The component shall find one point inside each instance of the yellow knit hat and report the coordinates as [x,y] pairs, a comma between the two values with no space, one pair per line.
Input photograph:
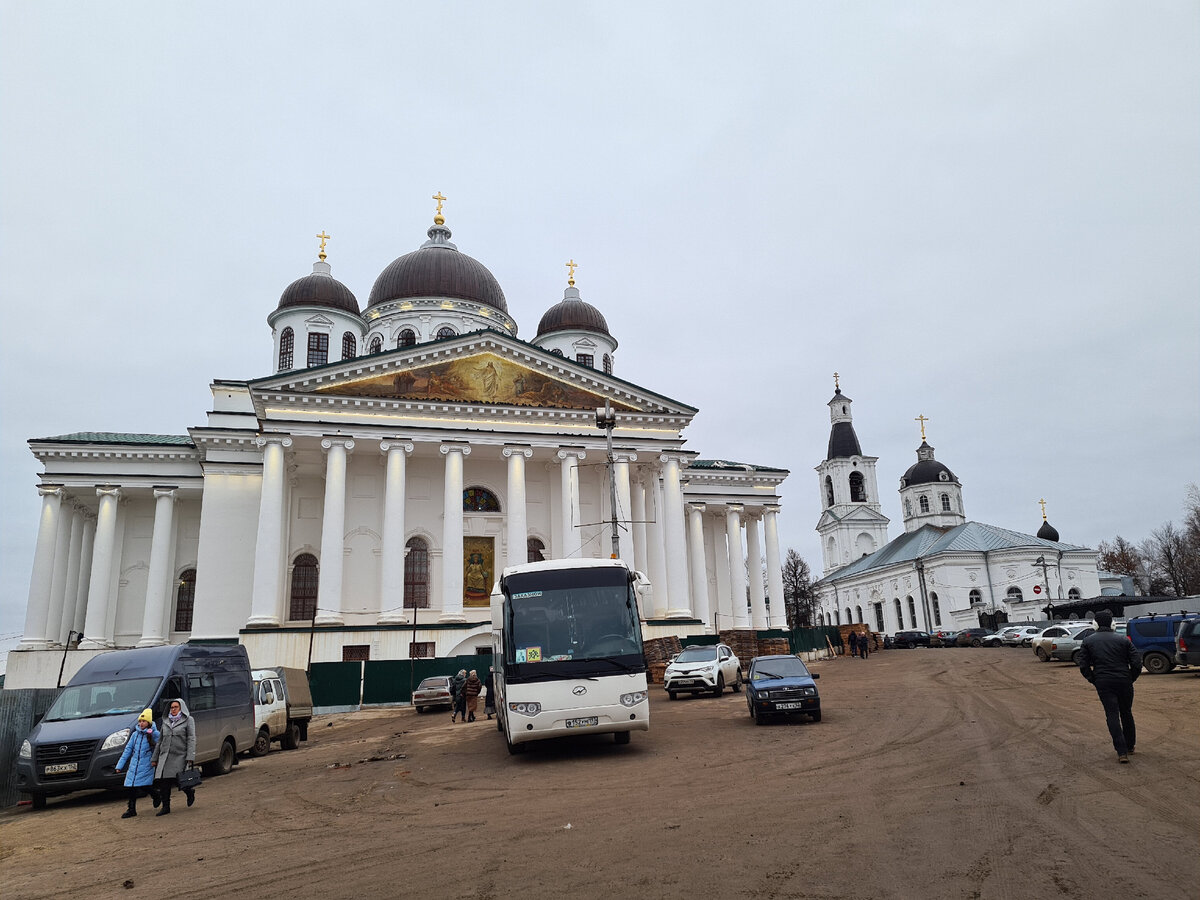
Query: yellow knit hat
[146,716]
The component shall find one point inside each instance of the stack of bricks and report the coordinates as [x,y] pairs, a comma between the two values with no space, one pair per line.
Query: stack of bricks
[844,630]
[773,647]
[743,643]
[659,652]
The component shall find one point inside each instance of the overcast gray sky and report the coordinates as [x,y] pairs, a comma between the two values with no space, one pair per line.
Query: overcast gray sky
[988,214]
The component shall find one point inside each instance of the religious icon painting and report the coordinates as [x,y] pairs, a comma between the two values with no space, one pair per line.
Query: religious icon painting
[479,570]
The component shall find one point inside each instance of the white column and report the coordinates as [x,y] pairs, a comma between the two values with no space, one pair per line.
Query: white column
[66,622]
[517,536]
[452,533]
[268,547]
[86,546]
[638,502]
[774,567]
[391,569]
[95,624]
[754,568]
[656,549]
[58,580]
[737,565]
[333,532]
[675,540]
[699,572]
[621,463]
[572,536]
[37,609]
[155,615]
[724,605]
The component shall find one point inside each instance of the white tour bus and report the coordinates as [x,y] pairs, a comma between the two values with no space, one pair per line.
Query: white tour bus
[567,643]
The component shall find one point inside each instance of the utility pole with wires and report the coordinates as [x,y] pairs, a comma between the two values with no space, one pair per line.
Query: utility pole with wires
[606,420]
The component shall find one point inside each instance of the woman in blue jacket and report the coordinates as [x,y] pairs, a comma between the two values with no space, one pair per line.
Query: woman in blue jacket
[139,750]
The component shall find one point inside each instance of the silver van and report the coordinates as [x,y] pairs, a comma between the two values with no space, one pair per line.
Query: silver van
[78,742]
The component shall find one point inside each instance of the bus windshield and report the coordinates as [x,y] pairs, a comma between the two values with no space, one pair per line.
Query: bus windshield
[571,616]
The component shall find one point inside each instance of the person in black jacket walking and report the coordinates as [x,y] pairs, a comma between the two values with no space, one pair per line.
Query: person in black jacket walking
[1110,662]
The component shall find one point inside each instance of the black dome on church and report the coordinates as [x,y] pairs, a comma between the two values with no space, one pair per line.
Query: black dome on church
[927,470]
[438,269]
[572,314]
[1048,532]
[843,442]
[318,290]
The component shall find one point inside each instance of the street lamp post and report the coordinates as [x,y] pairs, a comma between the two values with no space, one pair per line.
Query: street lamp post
[606,419]
[1041,561]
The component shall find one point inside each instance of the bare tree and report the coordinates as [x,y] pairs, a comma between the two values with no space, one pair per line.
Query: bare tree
[1173,558]
[797,591]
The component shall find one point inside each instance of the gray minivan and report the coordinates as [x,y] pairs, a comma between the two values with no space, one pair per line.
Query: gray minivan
[78,742]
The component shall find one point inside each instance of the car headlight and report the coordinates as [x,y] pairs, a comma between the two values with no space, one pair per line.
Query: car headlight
[26,750]
[525,709]
[116,739]
[633,699]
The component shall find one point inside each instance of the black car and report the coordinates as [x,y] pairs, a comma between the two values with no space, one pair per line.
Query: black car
[911,639]
[781,685]
[971,637]
[1187,643]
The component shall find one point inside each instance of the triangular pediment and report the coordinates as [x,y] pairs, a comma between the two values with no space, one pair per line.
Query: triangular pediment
[318,319]
[484,368]
[857,515]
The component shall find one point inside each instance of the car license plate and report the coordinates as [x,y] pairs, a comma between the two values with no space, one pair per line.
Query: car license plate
[62,768]
[584,722]
[794,705]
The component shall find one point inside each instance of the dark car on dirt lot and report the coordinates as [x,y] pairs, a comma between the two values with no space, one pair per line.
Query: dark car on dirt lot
[971,637]
[942,638]
[1154,635]
[1187,643]
[911,639]
[780,686]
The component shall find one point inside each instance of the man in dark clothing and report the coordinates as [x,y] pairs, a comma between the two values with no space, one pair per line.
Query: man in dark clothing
[1111,662]
[852,640]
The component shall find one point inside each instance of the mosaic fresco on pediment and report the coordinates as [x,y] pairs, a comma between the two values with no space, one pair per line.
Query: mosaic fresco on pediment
[485,378]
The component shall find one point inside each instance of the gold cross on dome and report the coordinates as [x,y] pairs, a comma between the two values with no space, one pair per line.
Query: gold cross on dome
[439,219]
[836,386]
[572,266]
[324,237]
[1043,502]
[922,420]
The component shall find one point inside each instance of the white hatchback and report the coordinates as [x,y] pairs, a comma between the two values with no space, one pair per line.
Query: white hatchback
[703,669]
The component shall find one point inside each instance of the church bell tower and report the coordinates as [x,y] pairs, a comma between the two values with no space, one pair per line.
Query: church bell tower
[852,524]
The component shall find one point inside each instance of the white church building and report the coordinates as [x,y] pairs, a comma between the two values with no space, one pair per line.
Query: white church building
[944,571]
[360,499]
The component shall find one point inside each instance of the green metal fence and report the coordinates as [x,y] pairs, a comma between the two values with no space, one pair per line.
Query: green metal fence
[384,680]
[805,639]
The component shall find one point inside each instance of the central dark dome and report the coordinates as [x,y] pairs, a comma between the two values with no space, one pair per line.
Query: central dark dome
[438,269]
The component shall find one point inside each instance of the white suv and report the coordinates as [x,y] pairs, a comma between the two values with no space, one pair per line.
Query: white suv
[698,669]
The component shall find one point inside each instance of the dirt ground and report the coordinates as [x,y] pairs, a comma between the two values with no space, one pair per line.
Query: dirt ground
[935,773]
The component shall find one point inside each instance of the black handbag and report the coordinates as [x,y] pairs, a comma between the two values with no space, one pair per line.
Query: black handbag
[188,779]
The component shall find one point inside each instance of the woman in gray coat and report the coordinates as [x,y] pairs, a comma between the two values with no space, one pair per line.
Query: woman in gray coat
[176,748]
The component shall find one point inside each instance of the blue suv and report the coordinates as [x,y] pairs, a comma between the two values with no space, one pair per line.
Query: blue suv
[1154,636]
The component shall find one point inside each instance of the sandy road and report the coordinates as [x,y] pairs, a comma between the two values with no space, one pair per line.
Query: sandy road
[935,773]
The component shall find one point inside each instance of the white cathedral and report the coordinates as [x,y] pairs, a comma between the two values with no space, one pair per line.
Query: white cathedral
[366,494]
[944,571]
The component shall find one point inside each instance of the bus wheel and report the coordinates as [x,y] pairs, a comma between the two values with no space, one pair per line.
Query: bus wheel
[621,737]
[514,749]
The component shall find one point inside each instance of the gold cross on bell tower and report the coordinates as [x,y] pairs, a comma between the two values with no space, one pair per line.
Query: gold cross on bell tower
[571,266]
[1043,503]
[922,420]
[439,219]
[836,386]
[324,237]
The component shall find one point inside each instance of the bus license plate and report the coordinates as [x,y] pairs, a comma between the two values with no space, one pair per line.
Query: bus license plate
[584,722]
[62,768]
[795,705]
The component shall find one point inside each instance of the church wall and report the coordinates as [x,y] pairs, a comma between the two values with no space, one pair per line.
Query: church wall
[138,513]
[225,554]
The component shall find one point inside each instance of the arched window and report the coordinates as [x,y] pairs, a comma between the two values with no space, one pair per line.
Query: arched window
[975,598]
[376,344]
[828,491]
[1014,594]
[318,349]
[858,614]
[607,364]
[937,612]
[446,332]
[1073,594]
[945,503]
[185,599]
[304,588]
[477,499]
[287,345]
[858,493]
[912,612]
[557,352]
[535,550]
[899,614]
[849,620]
[349,346]
[924,501]
[407,338]
[416,574]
